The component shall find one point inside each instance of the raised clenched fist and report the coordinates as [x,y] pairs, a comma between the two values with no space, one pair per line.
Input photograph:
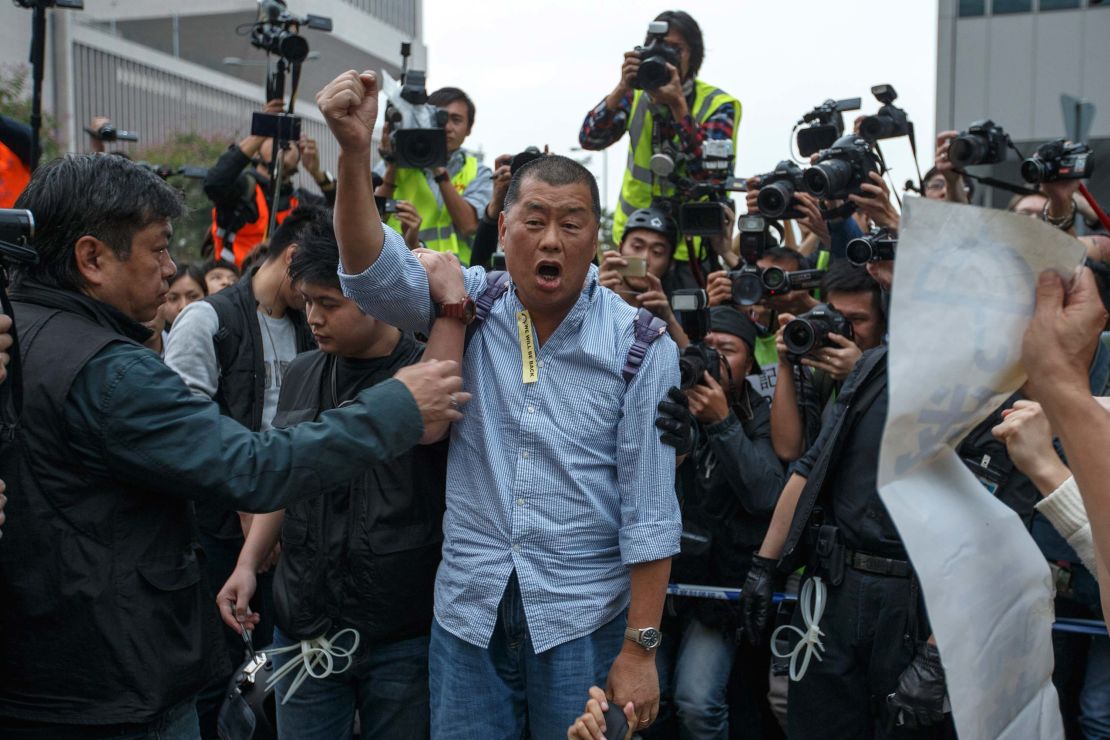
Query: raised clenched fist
[350,106]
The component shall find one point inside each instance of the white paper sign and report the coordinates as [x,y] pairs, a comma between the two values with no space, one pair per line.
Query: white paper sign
[964,290]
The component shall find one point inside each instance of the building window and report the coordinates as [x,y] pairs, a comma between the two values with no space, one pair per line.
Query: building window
[1004,7]
[1058,4]
[972,8]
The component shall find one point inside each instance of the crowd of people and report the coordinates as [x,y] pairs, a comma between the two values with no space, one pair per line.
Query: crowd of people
[421,461]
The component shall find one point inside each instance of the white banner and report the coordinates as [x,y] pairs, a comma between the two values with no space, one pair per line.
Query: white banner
[964,290]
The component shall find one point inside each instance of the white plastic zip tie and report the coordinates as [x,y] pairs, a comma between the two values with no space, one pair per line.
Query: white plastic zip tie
[812,601]
[318,659]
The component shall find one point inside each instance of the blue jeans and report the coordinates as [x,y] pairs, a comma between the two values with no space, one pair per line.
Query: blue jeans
[1094,700]
[701,681]
[387,685]
[507,689]
[178,723]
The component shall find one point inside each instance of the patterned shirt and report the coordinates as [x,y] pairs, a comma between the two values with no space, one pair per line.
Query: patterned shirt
[564,479]
[603,128]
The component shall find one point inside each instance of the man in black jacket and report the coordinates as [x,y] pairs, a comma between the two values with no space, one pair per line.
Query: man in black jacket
[364,560]
[107,628]
[728,486]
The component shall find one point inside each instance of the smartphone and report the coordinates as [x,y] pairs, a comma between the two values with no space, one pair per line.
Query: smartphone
[636,267]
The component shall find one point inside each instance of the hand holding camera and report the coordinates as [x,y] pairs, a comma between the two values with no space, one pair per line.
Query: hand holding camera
[708,402]
[350,107]
[874,202]
[719,288]
[654,299]
[502,176]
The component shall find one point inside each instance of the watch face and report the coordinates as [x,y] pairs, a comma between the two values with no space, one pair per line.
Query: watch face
[650,638]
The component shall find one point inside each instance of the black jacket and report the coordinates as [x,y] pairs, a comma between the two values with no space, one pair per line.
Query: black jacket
[241,393]
[364,556]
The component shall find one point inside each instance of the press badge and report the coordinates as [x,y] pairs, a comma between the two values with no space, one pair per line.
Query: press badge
[529,372]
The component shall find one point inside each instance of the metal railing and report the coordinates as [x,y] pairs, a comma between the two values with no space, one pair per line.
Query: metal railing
[400,14]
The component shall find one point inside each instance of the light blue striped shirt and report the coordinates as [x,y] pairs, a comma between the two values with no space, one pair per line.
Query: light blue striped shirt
[563,480]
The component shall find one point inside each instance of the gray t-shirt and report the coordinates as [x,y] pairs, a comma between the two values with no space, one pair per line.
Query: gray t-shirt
[191,352]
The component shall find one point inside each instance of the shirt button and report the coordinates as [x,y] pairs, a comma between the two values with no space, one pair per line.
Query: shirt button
[540,363]
[516,548]
[520,502]
[524,454]
[531,409]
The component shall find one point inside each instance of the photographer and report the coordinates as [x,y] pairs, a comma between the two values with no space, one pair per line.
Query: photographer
[242,197]
[109,596]
[648,241]
[684,113]
[449,199]
[799,406]
[15,159]
[943,182]
[728,486]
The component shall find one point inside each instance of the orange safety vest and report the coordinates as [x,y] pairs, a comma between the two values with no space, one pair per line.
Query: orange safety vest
[250,235]
[14,176]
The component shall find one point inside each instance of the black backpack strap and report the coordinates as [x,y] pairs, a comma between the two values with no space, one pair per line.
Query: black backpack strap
[497,282]
[646,328]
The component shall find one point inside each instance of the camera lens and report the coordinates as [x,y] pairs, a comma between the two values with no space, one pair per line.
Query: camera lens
[876,127]
[799,336]
[653,73]
[291,47]
[828,179]
[690,371]
[967,150]
[859,251]
[1034,170]
[774,199]
[747,289]
[774,278]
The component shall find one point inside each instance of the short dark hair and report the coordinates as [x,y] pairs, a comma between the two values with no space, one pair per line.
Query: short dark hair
[109,198]
[444,96]
[316,260]
[844,277]
[193,272]
[968,183]
[554,169]
[683,22]
[211,264]
[785,253]
[297,223]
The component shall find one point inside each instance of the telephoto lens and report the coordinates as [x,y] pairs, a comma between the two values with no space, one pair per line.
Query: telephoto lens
[774,199]
[811,330]
[827,178]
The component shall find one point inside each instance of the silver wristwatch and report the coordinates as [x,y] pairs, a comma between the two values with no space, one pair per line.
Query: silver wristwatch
[647,638]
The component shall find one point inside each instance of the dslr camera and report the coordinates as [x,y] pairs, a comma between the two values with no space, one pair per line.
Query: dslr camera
[691,307]
[810,331]
[826,125]
[874,247]
[841,169]
[776,191]
[751,283]
[416,128]
[654,58]
[17,229]
[108,132]
[890,122]
[984,142]
[1058,160]
[278,31]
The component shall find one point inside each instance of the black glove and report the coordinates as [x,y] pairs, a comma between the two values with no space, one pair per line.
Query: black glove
[918,700]
[676,422]
[757,599]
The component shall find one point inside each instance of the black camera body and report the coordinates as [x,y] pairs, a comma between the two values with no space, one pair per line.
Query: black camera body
[654,58]
[841,169]
[691,307]
[751,283]
[17,230]
[826,125]
[108,132]
[755,237]
[1059,160]
[777,189]
[419,140]
[889,122]
[277,31]
[519,160]
[276,126]
[984,142]
[877,246]
[809,332]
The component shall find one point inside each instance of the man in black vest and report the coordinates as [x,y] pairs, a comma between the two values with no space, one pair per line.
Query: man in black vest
[362,560]
[107,629]
[234,348]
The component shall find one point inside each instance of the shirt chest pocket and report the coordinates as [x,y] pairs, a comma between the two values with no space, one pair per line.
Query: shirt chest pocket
[590,416]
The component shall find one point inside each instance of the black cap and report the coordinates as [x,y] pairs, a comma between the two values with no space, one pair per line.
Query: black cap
[728,320]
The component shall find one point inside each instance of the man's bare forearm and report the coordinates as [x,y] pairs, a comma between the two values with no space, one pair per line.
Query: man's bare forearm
[264,534]
[786,417]
[445,342]
[776,535]
[358,228]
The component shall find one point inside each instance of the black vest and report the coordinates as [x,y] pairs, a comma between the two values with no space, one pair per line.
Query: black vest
[241,393]
[364,556]
[104,617]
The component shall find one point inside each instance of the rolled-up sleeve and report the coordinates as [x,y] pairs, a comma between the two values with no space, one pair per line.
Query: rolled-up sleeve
[395,288]
[651,523]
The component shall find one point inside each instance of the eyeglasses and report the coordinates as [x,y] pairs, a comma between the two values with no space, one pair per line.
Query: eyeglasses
[936,184]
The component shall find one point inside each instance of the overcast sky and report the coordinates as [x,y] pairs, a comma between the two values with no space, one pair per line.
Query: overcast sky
[535,67]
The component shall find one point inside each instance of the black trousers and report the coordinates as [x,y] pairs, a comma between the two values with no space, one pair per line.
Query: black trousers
[867,623]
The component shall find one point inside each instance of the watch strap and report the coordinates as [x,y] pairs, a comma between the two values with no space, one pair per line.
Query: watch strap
[442,177]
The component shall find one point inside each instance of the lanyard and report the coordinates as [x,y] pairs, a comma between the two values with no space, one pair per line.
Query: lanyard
[529,371]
